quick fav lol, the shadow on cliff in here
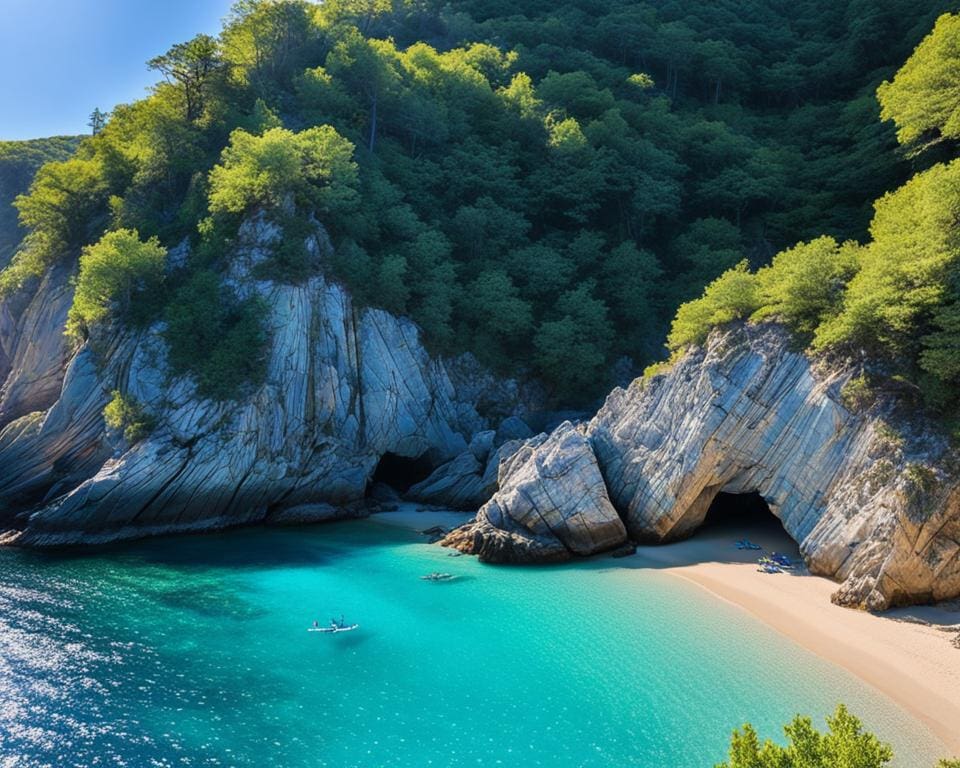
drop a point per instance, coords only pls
(731, 518)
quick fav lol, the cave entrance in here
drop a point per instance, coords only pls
(400, 472)
(746, 515)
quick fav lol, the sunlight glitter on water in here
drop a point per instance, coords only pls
(193, 652)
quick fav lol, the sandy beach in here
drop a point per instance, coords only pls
(907, 654)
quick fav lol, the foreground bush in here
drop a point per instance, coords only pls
(844, 745)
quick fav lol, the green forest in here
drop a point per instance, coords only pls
(542, 184)
(19, 162)
(892, 300)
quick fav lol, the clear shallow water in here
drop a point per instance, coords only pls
(193, 652)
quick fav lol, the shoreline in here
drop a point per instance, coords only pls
(906, 654)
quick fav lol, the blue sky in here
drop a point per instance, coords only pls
(61, 58)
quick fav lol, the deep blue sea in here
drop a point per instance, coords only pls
(194, 652)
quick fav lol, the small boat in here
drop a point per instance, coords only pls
(438, 577)
(333, 629)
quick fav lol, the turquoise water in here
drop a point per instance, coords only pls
(193, 652)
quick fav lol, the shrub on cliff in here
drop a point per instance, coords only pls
(125, 415)
(804, 285)
(120, 276)
(215, 337)
(314, 166)
(732, 296)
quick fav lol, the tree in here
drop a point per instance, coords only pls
(63, 202)
(924, 97)
(495, 316)
(115, 273)
(98, 120)
(805, 284)
(707, 248)
(267, 42)
(191, 65)
(314, 167)
(732, 296)
(571, 350)
(369, 68)
(907, 272)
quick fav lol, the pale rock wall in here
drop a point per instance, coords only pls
(343, 386)
(872, 498)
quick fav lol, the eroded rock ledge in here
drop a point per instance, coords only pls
(344, 386)
(872, 498)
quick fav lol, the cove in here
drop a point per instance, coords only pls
(194, 652)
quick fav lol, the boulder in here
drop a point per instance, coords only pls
(552, 504)
(872, 497)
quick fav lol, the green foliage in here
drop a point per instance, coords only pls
(924, 98)
(571, 350)
(804, 285)
(732, 296)
(63, 208)
(215, 337)
(119, 276)
(897, 297)
(19, 161)
(483, 167)
(844, 745)
(312, 167)
(125, 415)
(192, 65)
(904, 288)
(858, 393)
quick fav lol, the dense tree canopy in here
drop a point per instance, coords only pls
(19, 161)
(924, 98)
(896, 297)
(314, 165)
(539, 183)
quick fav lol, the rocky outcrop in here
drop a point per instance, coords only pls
(470, 479)
(872, 498)
(343, 387)
(33, 351)
(552, 503)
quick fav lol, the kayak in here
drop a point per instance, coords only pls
(334, 630)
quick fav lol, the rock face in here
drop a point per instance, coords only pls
(552, 503)
(343, 387)
(872, 498)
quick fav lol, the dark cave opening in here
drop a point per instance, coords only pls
(400, 472)
(742, 512)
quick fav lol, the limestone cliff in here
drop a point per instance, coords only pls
(343, 387)
(871, 497)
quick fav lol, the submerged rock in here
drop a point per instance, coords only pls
(872, 498)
